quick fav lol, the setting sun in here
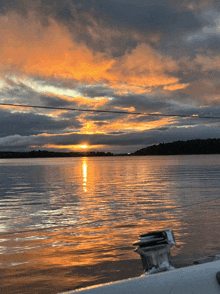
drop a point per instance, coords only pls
(84, 146)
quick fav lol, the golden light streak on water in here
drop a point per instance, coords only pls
(84, 167)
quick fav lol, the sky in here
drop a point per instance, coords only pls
(140, 56)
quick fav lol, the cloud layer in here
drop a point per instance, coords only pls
(136, 56)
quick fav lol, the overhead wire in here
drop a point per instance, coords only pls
(110, 111)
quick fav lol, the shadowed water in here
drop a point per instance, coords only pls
(67, 223)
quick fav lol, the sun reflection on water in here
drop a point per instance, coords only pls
(84, 169)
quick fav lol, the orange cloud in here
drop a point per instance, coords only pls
(126, 124)
(144, 67)
(176, 87)
(30, 48)
(125, 108)
(47, 51)
(16, 108)
(91, 102)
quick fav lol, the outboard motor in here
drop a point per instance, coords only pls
(154, 249)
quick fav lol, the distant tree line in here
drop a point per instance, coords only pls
(45, 153)
(198, 146)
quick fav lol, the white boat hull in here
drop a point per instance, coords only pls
(199, 279)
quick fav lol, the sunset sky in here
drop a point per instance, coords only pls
(123, 55)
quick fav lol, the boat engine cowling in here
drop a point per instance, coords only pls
(154, 249)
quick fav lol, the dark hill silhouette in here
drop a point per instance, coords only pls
(198, 146)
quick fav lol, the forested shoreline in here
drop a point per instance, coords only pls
(198, 146)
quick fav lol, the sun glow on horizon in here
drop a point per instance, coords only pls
(84, 146)
(74, 148)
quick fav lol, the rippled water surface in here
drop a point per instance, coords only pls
(69, 223)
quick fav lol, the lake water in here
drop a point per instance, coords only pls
(67, 223)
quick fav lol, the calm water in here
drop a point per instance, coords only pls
(69, 223)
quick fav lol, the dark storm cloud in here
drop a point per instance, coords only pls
(212, 43)
(153, 17)
(27, 124)
(54, 101)
(140, 102)
(160, 24)
(95, 91)
(204, 111)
